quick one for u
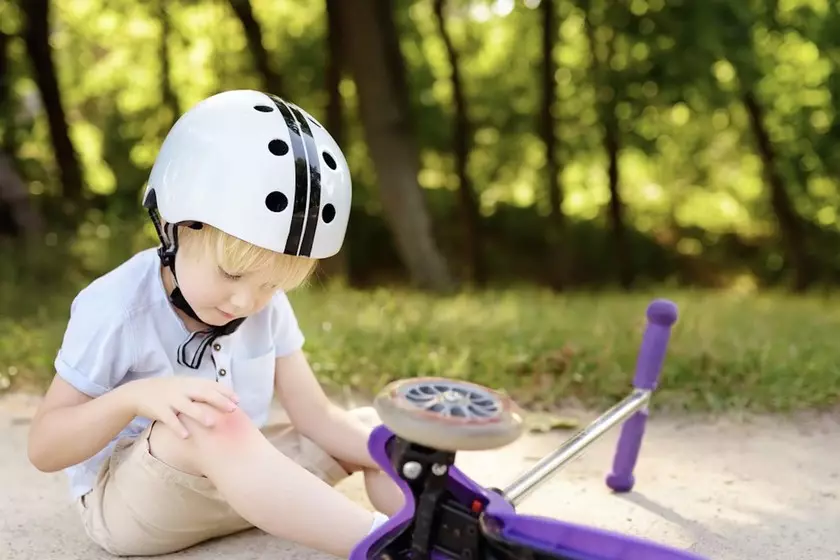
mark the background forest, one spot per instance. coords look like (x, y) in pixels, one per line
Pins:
(527, 175)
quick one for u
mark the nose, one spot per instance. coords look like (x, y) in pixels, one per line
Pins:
(241, 300)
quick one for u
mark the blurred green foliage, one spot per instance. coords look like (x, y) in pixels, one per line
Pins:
(690, 175)
(673, 74)
(728, 351)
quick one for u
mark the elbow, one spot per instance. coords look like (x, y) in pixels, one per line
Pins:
(42, 466)
(41, 462)
(38, 456)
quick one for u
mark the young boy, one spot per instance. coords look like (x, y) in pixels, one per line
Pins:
(158, 412)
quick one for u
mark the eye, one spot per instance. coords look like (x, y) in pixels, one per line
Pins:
(228, 275)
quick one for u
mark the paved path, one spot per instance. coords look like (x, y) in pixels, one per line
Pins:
(764, 489)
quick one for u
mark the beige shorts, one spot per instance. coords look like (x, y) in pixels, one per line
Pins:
(140, 506)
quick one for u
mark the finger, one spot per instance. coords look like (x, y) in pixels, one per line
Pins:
(214, 398)
(228, 392)
(170, 420)
(202, 386)
(194, 410)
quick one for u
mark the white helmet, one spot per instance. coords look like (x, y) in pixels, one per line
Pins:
(258, 168)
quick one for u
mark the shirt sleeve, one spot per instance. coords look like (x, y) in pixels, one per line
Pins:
(286, 331)
(96, 352)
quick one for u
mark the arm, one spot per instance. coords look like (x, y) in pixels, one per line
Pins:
(82, 409)
(70, 427)
(315, 416)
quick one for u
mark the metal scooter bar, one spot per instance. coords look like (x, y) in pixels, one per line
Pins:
(519, 489)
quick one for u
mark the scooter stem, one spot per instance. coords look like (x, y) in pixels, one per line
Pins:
(527, 482)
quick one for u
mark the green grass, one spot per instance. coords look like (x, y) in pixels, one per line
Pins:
(755, 353)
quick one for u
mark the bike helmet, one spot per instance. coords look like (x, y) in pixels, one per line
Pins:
(256, 167)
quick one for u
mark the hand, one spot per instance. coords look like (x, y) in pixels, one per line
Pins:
(166, 398)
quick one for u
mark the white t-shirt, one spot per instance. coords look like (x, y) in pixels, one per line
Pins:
(122, 327)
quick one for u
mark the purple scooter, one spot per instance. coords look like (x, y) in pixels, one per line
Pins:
(447, 515)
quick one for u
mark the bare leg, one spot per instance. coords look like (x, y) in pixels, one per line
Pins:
(265, 487)
(383, 492)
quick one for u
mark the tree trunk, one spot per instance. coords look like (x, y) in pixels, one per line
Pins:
(612, 146)
(373, 56)
(790, 224)
(18, 217)
(556, 220)
(36, 35)
(616, 208)
(462, 134)
(6, 111)
(335, 71)
(168, 97)
(272, 82)
(336, 265)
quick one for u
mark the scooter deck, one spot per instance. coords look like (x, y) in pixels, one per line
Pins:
(447, 515)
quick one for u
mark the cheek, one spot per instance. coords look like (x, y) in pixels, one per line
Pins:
(203, 293)
(199, 286)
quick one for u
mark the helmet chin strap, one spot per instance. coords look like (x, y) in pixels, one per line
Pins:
(168, 236)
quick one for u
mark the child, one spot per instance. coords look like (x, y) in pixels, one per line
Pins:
(159, 410)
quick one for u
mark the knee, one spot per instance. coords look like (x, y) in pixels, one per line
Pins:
(223, 425)
(171, 449)
(186, 453)
(351, 468)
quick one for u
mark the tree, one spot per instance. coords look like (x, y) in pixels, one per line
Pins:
(556, 220)
(462, 135)
(36, 33)
(253, 34)
(601, 58)
(374, 59)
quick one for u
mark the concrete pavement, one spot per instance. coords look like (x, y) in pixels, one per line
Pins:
(732, 490)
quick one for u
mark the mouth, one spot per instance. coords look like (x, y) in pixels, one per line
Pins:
(225, 314)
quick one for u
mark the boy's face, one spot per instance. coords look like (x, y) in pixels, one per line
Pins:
(215, 295)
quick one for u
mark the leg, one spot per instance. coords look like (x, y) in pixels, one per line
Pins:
(265, 487)
(141, 506)
(383, 492)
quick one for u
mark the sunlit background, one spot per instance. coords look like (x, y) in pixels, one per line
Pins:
(559, 147)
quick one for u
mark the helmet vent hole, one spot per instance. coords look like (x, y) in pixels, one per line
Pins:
(328, 213)
(329, 160)
(278, 147)
(276, 201)
(316, 123)
(263, 108)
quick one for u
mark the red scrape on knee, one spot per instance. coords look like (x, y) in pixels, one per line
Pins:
(225, 426)
(232, 425)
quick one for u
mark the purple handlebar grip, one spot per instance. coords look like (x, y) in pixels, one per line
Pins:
(661, 315)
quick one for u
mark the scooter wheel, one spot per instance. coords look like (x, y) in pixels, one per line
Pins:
(449, 415)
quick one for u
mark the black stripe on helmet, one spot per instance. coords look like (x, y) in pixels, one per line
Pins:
(301, 181)
(314, 207)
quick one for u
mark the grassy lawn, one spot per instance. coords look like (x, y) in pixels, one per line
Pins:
(757, 353)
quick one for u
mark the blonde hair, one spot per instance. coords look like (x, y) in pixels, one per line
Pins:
(239, 257)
